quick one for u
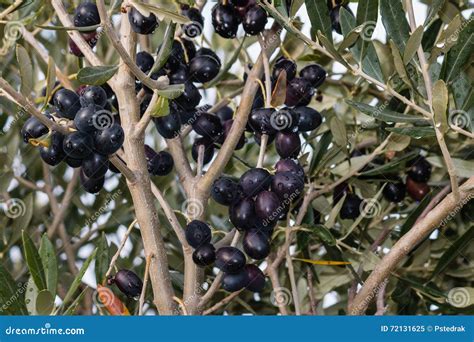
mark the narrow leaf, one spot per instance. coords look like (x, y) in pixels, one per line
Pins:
(395, 22)
(338, 130)
(33, 261)
(328, 45)
(460, 53)
(102, 261)
(318, 13)
(434, 8)
(12, 293)
(464, 168)
(413, 44)
(26, 70)
(440, 105)
(161, 13)
(96, 75)
(279, 91)
(324, 262)
(50, 264)
(77, 281)
(165, 48)
(172, 91)
(453, 251)
(413, 216)
(161, 107)
(50, 80)
(414, 132)
(384, 114)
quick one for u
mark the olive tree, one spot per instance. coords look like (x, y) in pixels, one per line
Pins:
(320, 152)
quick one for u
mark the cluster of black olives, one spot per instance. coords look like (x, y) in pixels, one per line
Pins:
(256, 203)
(97, 134)
(284, 125)
(226, 18)
(230, 260)
(395, 190)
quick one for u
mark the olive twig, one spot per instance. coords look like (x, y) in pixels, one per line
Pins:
(119, 250)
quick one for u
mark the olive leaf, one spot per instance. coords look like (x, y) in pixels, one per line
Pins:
(413, 44)
(50, 264)
(440, 105)
(33, 260)
(78, 279)
(26, 70)
(318, 13)
(96, 75)
(161, 13)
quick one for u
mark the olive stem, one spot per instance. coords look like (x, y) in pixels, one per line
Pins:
(263, 147)
(291, 272)
(266, 68)
(119, 250)
(145, 283)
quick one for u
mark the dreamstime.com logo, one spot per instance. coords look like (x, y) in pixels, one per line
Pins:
(12, 32)
(13, 207)
(460, 297)
(46, 330)
(281, 296)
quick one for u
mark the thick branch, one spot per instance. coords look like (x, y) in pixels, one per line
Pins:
(403, 246)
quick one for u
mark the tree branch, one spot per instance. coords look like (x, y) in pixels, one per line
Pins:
(406, 243)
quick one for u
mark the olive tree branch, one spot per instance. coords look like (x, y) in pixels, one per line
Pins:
(240, 120)
(429, 86)
(140, 190)
(402, 247)
(119, 250)
(125, 56)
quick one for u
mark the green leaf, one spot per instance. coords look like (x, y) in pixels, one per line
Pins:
(399, 65)
(460, 53)
(50, 264)
(413, 44)
(395, 22)
(30, 296)
(367, 13)
(321, 149)
(161, 13)
(161, 107)
(165, 48)
(453, 251)
(323, 233)
(434, 8)
(44, 303)
(96, 75)
(77, 281)
(413, 132)
(33, 261)
(102, 261)
(440, 105)
(26, 70)
(464, 168)
(69, 28)
(50, 80)
(384, 114)
(11, 295)
(398, 142)
(338, 130)
(172, 91)
(328, 45)
(413, 216)
(71, 309)
(370, 61)
(318, 13)
(394, 165)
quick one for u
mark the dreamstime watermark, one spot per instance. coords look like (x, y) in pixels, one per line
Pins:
(103, 119)
(453, 37)
(455, 211)
(19, 115)
(281, 296)
(281, 119)
(198, 291)
(459, 118)
(460, 297)
(368, 29)
(284, 205)
(14, 208)
(367, 300)
(192, 207)
(103, 208)
(12, 32)
(10, 302)
(46, 330)
(370, 208)
(193, 29)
